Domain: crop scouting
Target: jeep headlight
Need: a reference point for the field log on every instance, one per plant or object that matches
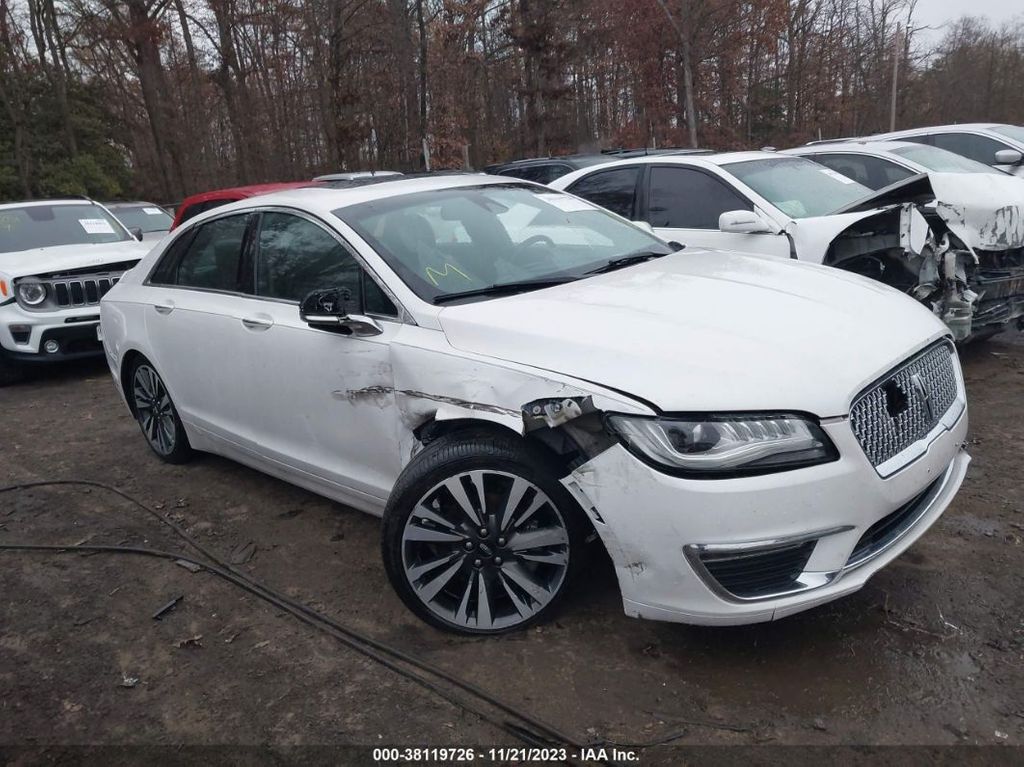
(725, 445)
(31, 293)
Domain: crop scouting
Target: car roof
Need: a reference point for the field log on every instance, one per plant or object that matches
(356, 174)
(129, 203)
(937, 129)
(325, 199)
(56, 201)
(582, 160)
(699, 158)
(241, 192)
(854, 145)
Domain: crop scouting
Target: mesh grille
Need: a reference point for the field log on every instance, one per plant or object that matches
(905, 405)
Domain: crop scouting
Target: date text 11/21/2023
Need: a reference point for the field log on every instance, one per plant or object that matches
(501, 754)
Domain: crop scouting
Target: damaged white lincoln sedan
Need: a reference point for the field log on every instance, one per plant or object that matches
(508, 374)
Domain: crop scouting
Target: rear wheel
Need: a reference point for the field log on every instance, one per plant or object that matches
(157, 415)
(479, 537)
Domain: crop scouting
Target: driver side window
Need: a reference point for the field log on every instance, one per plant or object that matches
(294, 257)
(682, 198)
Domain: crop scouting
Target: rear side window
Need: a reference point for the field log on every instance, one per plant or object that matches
(980, 148)
(872, 172)
(296, 256)
(611, 189)
(212, 258)
(682, 198)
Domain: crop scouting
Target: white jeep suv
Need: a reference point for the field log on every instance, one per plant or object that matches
(504, 372)
(57, 260)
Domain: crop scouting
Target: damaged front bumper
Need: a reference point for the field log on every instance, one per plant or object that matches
(754, 549)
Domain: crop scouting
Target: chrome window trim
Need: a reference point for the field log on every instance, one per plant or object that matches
(403, 316)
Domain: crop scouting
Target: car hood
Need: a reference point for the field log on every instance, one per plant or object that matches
(985, 210)
(707, 331)
(25, 263)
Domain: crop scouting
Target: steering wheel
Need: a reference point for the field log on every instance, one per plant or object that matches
(537, 239)
(530, 256)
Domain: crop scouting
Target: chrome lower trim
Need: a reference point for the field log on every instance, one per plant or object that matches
(807, 580)
(925, 505)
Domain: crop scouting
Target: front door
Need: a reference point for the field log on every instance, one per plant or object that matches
(683, 205)
(317, 401)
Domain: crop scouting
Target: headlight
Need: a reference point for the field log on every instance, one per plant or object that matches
(32, 293)
(717, 446)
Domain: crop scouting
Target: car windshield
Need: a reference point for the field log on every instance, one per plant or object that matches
(1015, 132)
(468, 238)
(941, 161)
(46, 226)
(798, 187)
(148, 218)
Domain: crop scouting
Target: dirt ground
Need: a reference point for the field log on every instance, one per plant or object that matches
(930, 652)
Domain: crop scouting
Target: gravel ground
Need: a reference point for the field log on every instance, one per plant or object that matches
(931, 652)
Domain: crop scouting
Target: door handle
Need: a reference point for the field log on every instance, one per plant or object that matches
(165, 308)
(259, 322)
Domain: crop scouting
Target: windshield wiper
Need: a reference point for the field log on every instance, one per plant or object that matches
(623, 261)
(501, 288)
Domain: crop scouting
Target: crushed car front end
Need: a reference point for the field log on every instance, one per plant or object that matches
(954, 241)
(779, 454)
(746, 549)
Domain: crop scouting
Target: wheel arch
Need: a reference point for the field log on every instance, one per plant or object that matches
(129, 359)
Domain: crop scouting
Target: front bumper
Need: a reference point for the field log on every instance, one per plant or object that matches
(657, 528)
(24, 335)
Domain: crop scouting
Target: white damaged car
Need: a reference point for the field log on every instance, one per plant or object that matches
(505, 373)
(962, 257)
(57, 260)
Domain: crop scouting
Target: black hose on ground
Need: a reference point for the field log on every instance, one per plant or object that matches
(536, 733)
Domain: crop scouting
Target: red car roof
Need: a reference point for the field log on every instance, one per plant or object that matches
(231, 194)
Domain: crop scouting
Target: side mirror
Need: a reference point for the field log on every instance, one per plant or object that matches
(335, 309)
(1009, 157)
(645, 226)
(136, 232)
(743, 222)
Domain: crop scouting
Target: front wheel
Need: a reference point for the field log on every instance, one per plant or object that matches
(157, 415)
(479, 537)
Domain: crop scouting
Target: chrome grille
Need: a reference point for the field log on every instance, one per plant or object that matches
(905, 405)
(81, 290)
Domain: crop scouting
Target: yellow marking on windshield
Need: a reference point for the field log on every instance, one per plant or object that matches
(434, 274)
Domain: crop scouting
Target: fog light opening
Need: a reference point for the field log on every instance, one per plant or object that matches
(51, 347)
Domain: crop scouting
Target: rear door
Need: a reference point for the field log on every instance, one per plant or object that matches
(195, 297)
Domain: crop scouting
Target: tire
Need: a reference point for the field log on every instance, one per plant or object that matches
(481, 573)
(156, 415)
(10, 372)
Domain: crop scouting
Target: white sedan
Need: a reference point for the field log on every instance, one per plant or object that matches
(791, 207)
(995, 144)
(878, 164)
(505, 373)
